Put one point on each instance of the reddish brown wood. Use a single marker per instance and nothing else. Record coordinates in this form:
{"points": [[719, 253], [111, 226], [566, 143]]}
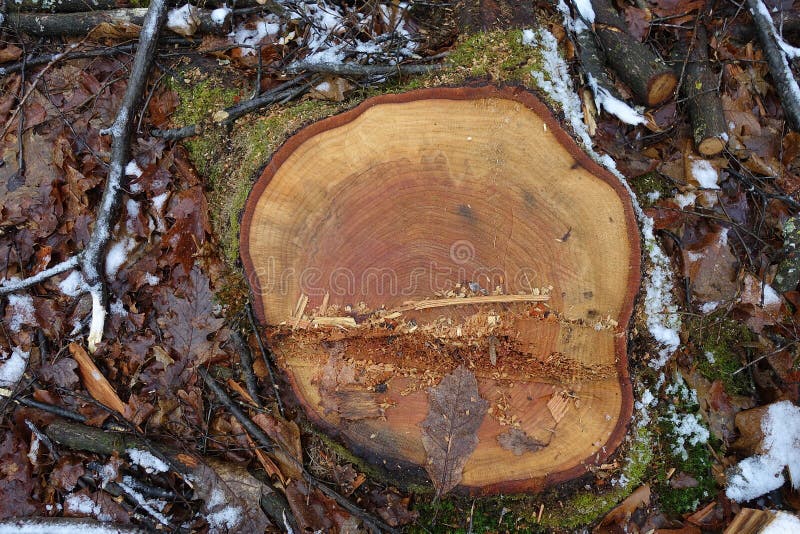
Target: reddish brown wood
{"points": [[303, 351]]}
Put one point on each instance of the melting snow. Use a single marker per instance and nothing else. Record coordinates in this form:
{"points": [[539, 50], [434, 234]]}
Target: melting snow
{"points": [[783, 523], [705, 174], [613, 105], [220, 14], [148, 461], [760, 474], [12, 367], [118, 254], [268, 26], [21, 310], [72, 285], [183, 20], [685, 199], [132, 169]]}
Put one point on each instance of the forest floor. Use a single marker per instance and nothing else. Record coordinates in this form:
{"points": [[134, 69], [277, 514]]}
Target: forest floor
{"points": [[717, 406]]}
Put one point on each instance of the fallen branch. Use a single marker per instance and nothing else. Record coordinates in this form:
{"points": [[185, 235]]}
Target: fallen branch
{"points": [[72, 24], [373, 523], [649, 77], [701, 89], [361, 71], [90, 261], [227, 116], [782, 77]]}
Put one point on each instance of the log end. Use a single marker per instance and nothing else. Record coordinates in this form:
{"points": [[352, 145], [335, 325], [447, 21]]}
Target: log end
{"points": [[661, 88], [711, 146]]}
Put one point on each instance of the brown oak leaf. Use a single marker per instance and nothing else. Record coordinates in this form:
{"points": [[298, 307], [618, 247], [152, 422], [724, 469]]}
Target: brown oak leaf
{"points": [[450, 431]]}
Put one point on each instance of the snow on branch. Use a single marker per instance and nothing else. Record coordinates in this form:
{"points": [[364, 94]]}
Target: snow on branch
{"points": [[92, 259], [778, 54]]}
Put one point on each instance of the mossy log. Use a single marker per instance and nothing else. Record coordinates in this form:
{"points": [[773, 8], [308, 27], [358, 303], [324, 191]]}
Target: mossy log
{"points": [[649, 77], [700, 87], [446, 228]]}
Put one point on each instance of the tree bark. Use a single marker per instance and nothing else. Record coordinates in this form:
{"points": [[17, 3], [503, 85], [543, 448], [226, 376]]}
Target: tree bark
{"points": [[648, 76]]}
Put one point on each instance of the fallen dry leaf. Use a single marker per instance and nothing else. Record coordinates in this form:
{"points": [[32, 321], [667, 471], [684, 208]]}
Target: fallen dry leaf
{"points": [[620, 515], [449, 432]]}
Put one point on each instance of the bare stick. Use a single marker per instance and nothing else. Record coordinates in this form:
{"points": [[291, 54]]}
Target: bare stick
{"points": [[373, 523], [121, 131], [782, 77], [12, 286], [228, 116], [267, 360], [360, 71]]}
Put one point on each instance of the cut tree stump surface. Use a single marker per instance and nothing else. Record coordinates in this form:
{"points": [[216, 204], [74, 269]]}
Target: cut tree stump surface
{"points": [[441, 229]]}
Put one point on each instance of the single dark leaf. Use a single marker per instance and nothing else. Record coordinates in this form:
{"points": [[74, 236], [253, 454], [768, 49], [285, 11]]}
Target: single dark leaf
{"points": [[638, 22], [61, 373], [66, 473], [231, 498], [518, 442], [316, 512], [450, 431], [189, 320], [392, 508], [16, 483]]}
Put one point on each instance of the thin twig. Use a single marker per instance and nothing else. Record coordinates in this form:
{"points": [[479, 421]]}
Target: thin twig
{"points": [[373, 523], [267, 359]]}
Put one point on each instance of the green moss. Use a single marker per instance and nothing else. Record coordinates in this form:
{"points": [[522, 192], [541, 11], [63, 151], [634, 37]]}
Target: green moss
{"points": [[586, 507], [726, 340], [500, 55], [697, 465], [647, 184]]}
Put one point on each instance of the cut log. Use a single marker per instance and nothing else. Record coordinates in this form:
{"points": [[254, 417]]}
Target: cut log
{"points": [[72, 24], [700, 87], [446, 229], [649, 77]]}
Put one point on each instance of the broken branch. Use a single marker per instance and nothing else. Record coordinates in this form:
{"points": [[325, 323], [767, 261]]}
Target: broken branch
{"points": [[783, 79]]}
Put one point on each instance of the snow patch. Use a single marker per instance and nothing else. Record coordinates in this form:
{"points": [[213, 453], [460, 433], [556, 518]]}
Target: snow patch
{"points": [[249, 38], [73, 285], [151, 279], [614, 106], [12, 367], [147, 460], [22, 312], [118, 308], [225, 519], [585, 10], [783, 523], [219, 15], [159, 200], [685, 199], [183, 20], [118, 254], [705, 174], [132, 169], [760, 474]]}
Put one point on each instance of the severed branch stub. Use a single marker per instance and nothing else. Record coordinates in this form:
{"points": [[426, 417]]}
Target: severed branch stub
{"points": [[701, 88], [456, 244], [649, 77]]}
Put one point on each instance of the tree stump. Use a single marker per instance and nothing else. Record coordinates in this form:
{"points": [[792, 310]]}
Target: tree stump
{"points": [[446, 268]]}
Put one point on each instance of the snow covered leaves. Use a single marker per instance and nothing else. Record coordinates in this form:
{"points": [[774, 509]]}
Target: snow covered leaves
{"points": [[773, 432], [449, 433]]}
